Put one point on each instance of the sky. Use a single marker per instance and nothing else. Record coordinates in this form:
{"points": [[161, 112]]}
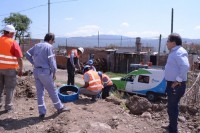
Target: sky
{"points": [[132, 18]]}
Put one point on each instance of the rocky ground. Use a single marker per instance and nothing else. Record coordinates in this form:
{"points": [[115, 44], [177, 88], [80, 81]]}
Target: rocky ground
{"points": [[113, 115]]}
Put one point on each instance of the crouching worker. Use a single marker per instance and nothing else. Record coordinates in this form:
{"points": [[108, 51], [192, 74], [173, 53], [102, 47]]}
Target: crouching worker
{"points": [[93, 85], [41, 56], [107, 83]]}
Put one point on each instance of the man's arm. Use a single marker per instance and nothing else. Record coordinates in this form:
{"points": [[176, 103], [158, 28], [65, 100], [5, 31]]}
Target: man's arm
{"points": [[183, 63], [85, 85], [86, 79], [79, 66], [20, 62], [29, 55], [52, 62], [72, 59], [16, 51]]}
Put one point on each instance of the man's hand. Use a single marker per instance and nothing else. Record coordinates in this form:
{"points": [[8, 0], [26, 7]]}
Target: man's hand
{"points": [[19, 72], [73, 66], [175, 84], [54, 76]]}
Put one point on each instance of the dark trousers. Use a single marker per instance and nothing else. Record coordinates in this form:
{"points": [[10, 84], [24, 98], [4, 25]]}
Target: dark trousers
{"points": [[174, 96], [71, 73], [105, 92]]}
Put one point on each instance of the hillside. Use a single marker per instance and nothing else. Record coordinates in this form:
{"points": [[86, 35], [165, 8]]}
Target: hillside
{"points": [[117, 40]]}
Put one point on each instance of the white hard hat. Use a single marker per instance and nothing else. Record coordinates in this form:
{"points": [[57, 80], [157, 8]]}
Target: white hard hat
{"points": [[81, 49], [9, 28]]}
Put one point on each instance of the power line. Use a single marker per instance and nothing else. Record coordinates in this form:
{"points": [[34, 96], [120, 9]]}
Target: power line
{"points": [[25, 9], [39, 6]]}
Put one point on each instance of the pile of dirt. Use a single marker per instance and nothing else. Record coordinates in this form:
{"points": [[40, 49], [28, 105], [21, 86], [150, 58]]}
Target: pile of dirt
{"points": [[25, 87], [138, 105]]}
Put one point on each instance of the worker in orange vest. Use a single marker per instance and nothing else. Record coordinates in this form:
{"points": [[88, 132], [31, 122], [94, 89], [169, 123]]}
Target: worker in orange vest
{"points": [[107, 83], [93, 85], [72, 63], [10, 64]]}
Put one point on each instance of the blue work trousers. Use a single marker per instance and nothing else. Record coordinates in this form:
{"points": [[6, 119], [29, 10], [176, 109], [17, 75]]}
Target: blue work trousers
{"points": [[8, 83], [174, 95], [44, 80]]}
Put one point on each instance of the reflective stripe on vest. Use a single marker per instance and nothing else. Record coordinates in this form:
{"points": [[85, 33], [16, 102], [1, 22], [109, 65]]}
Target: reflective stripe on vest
{"points": [[109, 82], [4, 59], [94, 82], [7, 60]]}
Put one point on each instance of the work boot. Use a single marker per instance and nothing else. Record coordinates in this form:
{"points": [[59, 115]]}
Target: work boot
{"points": [[8, 110], [165, 126], [41, 116], [99, 96], [93, 98], [64, 109], [168, 129]]}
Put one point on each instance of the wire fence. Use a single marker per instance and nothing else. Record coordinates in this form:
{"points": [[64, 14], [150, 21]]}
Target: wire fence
{"points": [[192, 94]]}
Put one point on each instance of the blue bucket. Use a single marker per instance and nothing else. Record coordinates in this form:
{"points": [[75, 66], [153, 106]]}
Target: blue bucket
{"points": [[68, 93]]}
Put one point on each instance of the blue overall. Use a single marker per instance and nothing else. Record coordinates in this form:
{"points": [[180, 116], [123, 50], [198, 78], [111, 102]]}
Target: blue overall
{"points": [[43, 59]]}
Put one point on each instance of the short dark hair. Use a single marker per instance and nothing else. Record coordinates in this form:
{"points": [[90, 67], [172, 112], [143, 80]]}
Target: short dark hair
{"points": [[174, 37], [49, 36], [6, 32], [86, 69]]}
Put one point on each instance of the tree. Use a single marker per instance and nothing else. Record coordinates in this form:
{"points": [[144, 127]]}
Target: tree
{"points": [[21, 24]]}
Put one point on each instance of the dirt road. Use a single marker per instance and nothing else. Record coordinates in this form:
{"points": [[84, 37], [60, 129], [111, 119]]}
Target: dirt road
{"points": [[103, 116]]}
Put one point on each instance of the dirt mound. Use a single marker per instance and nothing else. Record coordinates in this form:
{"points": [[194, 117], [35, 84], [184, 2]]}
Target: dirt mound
{"points": [[138, 105], [25, 87]]}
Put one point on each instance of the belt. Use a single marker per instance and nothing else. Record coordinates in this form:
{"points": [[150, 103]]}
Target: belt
{"points": [[170, 82], [42, 67], [38, 67]]}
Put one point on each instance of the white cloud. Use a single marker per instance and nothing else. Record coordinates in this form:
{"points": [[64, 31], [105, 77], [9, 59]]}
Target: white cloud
{"points": [[125, 24], [197, 27], [86, 30], [69, 19]]}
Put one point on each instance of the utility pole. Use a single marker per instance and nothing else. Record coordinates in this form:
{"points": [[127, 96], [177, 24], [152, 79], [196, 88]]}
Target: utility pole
{"points": [[66, 43], [98, 39], [121, 42], [48, 16], [172, 20], [66, 47], [158, 57]]}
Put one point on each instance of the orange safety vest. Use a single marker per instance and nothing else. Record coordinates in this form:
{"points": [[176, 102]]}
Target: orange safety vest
{"points": [[7, 60], [94, 82], [75, 53], [109, 82]]}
